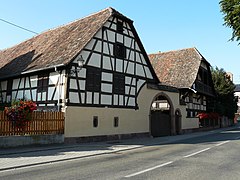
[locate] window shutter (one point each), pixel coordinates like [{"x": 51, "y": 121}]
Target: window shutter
[
  {"x": 119, "y": 83},
  {"x": 93, "y": 79}
]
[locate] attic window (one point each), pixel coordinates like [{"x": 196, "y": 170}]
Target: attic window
[
  {"x": 119, "y": 50},
  {"x": 119, "y": 25}
]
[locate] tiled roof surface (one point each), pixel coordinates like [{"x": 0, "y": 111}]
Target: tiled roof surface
[
  {"x": 177, "y": 68},
  {"x": 54, "y": 47}
]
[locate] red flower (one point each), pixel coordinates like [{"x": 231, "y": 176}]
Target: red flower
[
  {"x": 19, "y": 112},
  {"x": 211, "y": 115}
]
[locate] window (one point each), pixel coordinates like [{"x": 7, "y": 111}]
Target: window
[
  {"x": 9, "y": 87},
  {"x": 118, "y": 83},
  {"x": 119, "y": 50},
  {"x": 93, "y": 79},
  {"x": 119, "y": 25},
  {"x": 116, "y": 121},
  {"x": 95, "y": 121},
  {"x": 42, "y": 85},
  {"x": 188, "y": 113}
]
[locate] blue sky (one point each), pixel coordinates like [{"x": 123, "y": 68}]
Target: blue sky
[{"x": 162, "y": 25}]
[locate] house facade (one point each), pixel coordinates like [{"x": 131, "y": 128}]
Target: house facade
[
  {"x": 95, "y": 70},
  {"x": 189, "y": 71},
  {"x": 237, "y": 96}
]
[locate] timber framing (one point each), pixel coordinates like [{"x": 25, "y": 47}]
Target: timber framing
[
  {"x": 121, "y": 68},
  {"x": 115, "y": 69}
]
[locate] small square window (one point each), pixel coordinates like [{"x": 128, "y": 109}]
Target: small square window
[
  {"x": 116, "y": 121},
  {"x": 95, "y": 121}
]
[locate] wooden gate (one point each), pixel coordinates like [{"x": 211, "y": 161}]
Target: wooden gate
[{"x": 160, "y": 124}]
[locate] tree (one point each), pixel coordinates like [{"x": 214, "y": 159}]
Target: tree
[
  {"x": 231, "y": 11},
  {"x": 225, "y": 103}
]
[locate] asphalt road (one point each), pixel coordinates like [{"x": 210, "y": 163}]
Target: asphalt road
[{"x": 214, "y": 156}]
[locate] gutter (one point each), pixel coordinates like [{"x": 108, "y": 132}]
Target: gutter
[
  {"x": 35, "y": 70},
  {"x": 31, "y": 71},
  {"x": 195, "y": 92}
]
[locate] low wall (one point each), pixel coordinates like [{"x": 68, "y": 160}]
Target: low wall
[
  {"x": 190, "y": 123},
  {"x": 14, "y": 141}
]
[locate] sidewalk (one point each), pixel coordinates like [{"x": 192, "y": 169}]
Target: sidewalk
[{"x": 36, "y": 155}]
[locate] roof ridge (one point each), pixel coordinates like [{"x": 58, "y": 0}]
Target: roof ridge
[
  {"x": 76, "y": 20},
  {"x": 160, "y": 52}
]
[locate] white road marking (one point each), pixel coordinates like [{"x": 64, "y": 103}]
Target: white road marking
[
  {"x": 224, "y": 142},
  {"x": 170, "y": 162},
  {"x": 149, "y": 169},
  {"x": 196, "y": 153},
  {"x": 237, "y": 137}
]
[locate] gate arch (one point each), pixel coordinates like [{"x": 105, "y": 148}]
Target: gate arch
[{"x": 162, "y": 121}]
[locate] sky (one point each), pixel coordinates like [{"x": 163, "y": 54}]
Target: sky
[{"x": 163, "y": 25}]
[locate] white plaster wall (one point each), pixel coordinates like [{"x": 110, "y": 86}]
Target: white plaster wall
[
  {"x": 79, "y": 120},
  {"x": 4, "y": 85}
]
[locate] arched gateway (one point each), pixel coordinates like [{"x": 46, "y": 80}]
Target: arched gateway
[{"x": 162, "y": 116}]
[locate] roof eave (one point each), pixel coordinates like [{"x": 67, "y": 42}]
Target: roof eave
[
  {"x": 32, "y": 71},
  {"x": 45, "y": 68}
]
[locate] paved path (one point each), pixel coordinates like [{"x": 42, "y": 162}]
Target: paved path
[{"x": 36, "y": 155}]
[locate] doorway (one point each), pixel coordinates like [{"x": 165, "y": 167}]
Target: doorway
[{"x": 160, "y": 117}]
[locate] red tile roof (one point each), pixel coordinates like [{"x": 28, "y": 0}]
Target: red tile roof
[
  {"x": 177, "y": 68},
  {"x": 54, "y": 47}
]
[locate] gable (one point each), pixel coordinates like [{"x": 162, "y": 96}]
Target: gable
[
  {"x": 134, "y": 59},
  {"x": 177, "y": 68},
  {"x": 204, "y": 82},
  {"x": 120, "y": 56}
]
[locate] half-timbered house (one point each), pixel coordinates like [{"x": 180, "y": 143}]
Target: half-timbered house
[
  {"x": 189, "y": 71},
  {"x": 95, "y": 70}
]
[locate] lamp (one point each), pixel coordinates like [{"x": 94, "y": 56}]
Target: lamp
[{"x": 80, "y": 63}]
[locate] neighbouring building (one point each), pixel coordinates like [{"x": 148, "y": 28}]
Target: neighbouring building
[
  {"x": 189, "y": 71},
  {"x": 237, "y": 95},
  {"x": 96, "y": 70},
  {"x": 230, "y": 75}
]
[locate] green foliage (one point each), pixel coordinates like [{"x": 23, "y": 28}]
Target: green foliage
[
  {"x": 225, "y": 103},
  {"x": 231, "y": 11}
]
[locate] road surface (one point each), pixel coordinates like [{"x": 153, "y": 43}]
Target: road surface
[{"x": 215, "y": 156}]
